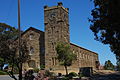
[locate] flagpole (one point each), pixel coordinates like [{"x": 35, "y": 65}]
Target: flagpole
[{"x": 19, "y": 42}]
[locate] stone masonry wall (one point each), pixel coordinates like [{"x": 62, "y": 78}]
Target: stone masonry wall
[
  {"x": 85, "y": 58},
  {"x": 35, "y": 43}
]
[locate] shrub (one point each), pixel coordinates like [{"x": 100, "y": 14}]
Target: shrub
[
  {"x": 48, "y": 73},
  {"x": 2, "y": 73},
  {"x": 65, "y": 78},
  {"x": 42, "y": 67},
  {"x": 73, "y": 74},
  {"x": 53, "y": 78},
  {"x": 36, "y": 70},
  {"x": 80, "y": 75}
]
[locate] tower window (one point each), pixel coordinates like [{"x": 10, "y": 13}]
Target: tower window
[{"x": 42, "y": 50}]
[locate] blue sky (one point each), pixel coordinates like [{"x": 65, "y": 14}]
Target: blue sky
[{"x": 32, "y": 14}]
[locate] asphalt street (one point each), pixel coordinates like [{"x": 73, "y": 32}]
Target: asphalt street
[{"x": 5, "y": 77}]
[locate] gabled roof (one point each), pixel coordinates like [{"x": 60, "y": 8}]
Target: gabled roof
[
  {"x": 33, "y": 29},
  {"x": 39, "y": 31},
  {"x": 83, "y": 48}
]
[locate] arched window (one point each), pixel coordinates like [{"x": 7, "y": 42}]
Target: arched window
[
  {"x": 31, "y": 64},
  {"x": 31, "y": 50},
  {"x": 31, "y": 36}
]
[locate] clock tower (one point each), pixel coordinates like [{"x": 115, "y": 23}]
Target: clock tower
[{"x": 56, "y": 22}]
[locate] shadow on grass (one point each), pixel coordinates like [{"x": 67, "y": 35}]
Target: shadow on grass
[{"x": 106, "y": 76}]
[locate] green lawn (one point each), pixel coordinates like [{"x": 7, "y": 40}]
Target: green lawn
[{"x": 2, "y": 73}]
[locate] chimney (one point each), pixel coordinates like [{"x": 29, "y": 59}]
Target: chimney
[{"x": 60, "y": 3}]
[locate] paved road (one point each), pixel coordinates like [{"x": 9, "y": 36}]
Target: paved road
[{"x": 5, "y": 77}]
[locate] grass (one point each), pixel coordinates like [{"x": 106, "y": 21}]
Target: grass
[{"x": 2, "y": 73}]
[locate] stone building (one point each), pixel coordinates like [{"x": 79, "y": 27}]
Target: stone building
[
  {"x": 42, "y": 44},
  {"x": 35, "y": 42}
]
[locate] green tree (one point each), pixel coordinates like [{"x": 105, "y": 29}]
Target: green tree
[
  {"x": 118, "y": 65},
  {"x": 105, "y": 23},
  {"x": 108, "y": 65},
  {"x": 7, "y": 33},
  {"x": 65, "y": 55},
  {"x": 9, "y": 48}
]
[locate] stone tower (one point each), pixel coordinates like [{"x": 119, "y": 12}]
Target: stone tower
[{"x": 56, "y": 22}]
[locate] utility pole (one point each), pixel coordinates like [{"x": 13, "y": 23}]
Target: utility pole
[{"x": 19, "y": 43}]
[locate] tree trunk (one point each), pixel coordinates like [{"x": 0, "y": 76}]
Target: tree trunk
[
  {"x": 66, "y": 70},
  {"x": 20, "y": 71}
]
